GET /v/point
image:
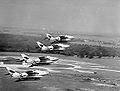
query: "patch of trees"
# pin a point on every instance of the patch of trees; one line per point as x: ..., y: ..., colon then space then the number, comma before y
x: 91, y: 51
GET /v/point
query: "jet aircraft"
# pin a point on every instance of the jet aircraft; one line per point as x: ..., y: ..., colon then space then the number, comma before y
x: 60, y: 38
x: 38, y: 61
x: 53, y: 47
x: 32, y: 74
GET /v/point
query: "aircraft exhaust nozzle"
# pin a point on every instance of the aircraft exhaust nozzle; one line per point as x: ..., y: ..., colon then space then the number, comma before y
x: 66, y: 45
x: 52, y: 58
x: 72, y: 37
x: 63, y: 45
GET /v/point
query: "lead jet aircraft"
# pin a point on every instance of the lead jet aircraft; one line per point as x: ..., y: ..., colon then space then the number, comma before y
x: 60, y: 38
x: 53, y: 47
x: 32, y: 74
x: 41, y: 60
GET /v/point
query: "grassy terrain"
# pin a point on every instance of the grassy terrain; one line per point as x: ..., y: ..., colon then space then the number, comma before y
x: 25, y: 43
x: 11, y: 42
x: 66, y: 79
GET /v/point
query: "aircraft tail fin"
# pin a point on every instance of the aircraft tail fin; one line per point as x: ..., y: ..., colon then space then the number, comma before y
x: 49, y: 36
x: 25, y: 57
x: 10, y: 70
x: 40, y: 44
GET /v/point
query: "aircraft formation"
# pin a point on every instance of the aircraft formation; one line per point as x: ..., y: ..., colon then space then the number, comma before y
x: 56, y: 45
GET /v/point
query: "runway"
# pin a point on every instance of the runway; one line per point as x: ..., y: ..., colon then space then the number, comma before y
x: 65, y: 75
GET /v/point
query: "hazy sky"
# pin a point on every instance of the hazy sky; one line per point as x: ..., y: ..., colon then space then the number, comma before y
x: 75, y: 16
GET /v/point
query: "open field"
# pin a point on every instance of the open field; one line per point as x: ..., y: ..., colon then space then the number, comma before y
x: 68, y: 74
x: 90, y: 49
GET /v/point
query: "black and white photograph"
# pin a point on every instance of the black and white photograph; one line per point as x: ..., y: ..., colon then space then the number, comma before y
x: 59, y: 45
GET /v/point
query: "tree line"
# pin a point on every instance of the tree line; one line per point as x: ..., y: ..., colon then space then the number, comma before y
x: 20, y: 43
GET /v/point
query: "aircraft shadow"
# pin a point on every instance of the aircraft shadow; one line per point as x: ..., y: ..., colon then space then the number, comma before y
x: 26, y: 80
